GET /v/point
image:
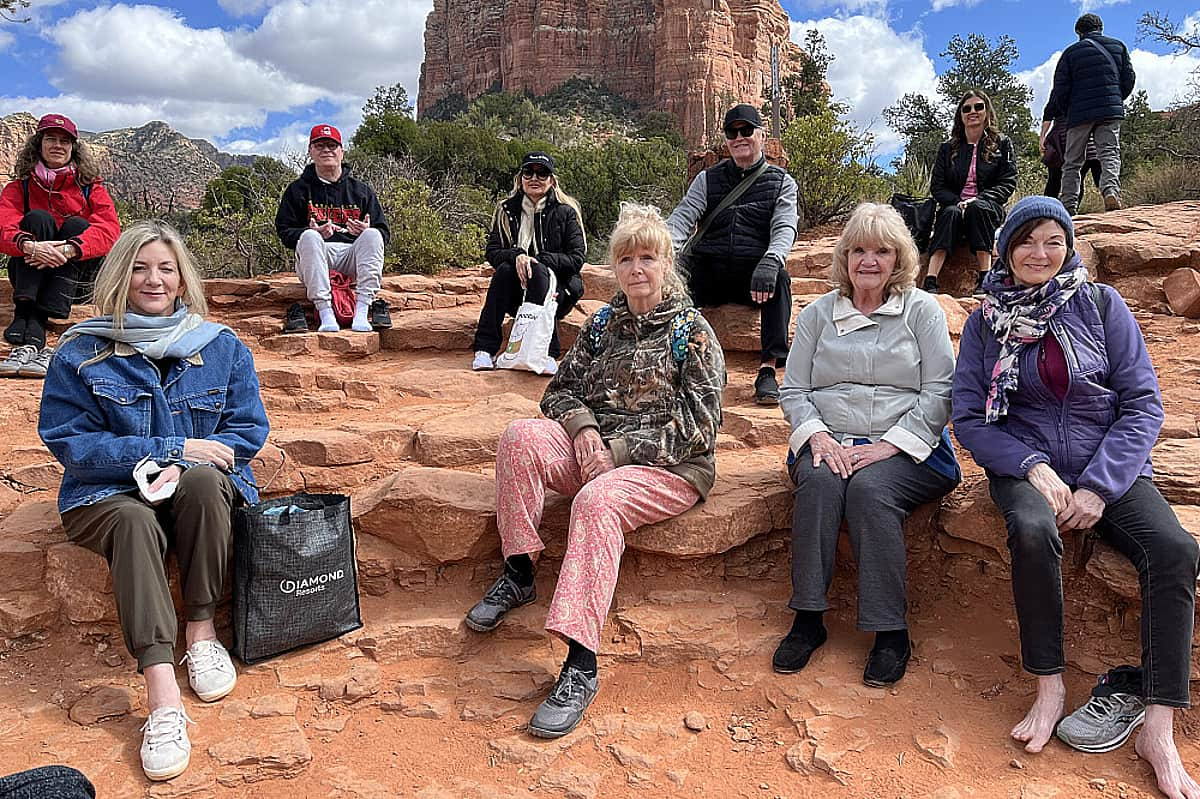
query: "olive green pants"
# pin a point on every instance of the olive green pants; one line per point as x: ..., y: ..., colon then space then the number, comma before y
x: 134, y: 537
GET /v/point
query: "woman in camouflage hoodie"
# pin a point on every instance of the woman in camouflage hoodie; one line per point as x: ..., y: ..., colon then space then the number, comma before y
x: 631, y: 432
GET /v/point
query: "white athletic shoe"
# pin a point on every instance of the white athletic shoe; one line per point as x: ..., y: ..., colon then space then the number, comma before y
x: 210, y: 671
x: 483, y: 362
x: 166, y: 750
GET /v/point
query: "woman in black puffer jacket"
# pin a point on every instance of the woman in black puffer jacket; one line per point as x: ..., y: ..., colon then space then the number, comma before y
x: 535, y: 229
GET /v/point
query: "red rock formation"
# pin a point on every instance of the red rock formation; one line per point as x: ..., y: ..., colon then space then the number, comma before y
x: 692, y: 58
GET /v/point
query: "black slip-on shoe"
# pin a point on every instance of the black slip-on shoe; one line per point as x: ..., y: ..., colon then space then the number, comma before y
x: 795, y: 650
x: 886, y: 666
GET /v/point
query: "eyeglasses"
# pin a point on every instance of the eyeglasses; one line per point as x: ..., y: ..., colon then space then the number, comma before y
x: 745, y: 131
x: 969, y: 107
x: 324, y: 144
x: 529, y: 173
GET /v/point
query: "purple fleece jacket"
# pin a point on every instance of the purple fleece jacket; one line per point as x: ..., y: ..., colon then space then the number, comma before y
x: 1099, y: 437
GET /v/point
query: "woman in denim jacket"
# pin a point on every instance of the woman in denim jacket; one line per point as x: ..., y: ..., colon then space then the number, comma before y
x: 152, y: 380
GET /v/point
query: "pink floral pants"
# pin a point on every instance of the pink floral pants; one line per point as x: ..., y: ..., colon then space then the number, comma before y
x: 536, y: 454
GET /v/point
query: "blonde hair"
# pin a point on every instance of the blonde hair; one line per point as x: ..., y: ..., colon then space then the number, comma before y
x: 641, y: 227
x: 499, y: 219
x: 111, y: 294
x: 874, y: 224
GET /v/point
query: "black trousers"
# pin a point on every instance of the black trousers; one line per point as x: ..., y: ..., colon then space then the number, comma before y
x: 47, y: 782
x: 50, y: 292
x: 1140, y: 525
x: 505, y: 295
x: 1054, y: 177
x: 714, y: 281
x: 977, y: 225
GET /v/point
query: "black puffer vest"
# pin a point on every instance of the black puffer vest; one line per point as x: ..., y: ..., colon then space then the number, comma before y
x: 743, y: 230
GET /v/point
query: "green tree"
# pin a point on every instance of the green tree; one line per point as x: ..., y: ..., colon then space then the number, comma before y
x: 807, y: 91
x: 510, y: 115
x: 389, y: 100
x: 923, y: 127
x: 235, y: 224
x: 830, y: 160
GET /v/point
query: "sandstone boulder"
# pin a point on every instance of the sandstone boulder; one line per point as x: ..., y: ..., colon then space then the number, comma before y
x: 1182, y: 288
x: 324, y: 447
x: 470, y: 435
x: 1177, y: 470
x: 442, y: 329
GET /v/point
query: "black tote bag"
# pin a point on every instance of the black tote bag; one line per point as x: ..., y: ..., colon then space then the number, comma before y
x: 294, y: 576
x: 918, y: 214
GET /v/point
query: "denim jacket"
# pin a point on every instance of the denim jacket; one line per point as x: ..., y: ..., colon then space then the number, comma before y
x: 99, y: 420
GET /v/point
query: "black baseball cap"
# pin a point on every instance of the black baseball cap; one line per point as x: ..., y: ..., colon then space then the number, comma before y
x: 537, y: 158
x: 743, y: 114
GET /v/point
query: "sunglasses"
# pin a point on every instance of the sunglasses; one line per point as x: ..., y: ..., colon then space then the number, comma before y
x: 325, y: 144
x: 745, y: 131
x: 530, y: 173
x: 969, y: 107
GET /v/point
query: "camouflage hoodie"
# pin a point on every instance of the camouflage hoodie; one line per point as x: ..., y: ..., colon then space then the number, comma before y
x: 650, y: 408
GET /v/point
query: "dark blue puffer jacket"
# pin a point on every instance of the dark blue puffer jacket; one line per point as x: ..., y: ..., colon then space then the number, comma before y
x: 1086, y: 87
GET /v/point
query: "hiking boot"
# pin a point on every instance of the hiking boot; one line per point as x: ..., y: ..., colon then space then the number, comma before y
x: 15, y: 332
x: 795, y: 650
x: 930, y: 284
x: 380, y: 315
x: 483, y: 362
x: 166, y: 749
x: 295, y: 322
x: 1107, y: 719
x: 503, y: 596
x: 1112, y: 202
x: 766, y: 388
x: 210, y: 671
x: 11, y: 366
x: 886, y: 666
x: 563, y: 709
x: 37, y: 365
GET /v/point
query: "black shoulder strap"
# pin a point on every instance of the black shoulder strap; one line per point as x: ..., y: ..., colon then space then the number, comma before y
x: 25, y: 194
x: 726, y: 201
x: 1112, y: 62
x: 84, y: 188
x: 1100, y: 296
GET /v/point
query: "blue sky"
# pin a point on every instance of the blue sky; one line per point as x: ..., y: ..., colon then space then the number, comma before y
x: 253, y: 75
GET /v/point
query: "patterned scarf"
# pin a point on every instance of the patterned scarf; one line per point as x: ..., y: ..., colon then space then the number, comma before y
x: 47, y: 177
x: 180, y: 335
x: 1018, y: 316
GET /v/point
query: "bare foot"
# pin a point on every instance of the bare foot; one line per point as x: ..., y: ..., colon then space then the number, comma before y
x: 1156, y: 745
x: 1038, y: 725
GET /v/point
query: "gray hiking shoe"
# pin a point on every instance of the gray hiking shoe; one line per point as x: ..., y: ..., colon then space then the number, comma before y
x: 503, y: 596
x: 20, y: 356
x: 37, y: 365
x: 563, y: 709
x: 1107, y: 719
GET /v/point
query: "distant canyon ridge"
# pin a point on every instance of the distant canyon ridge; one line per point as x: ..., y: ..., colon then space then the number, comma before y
x: 154, y: 166
x: 693, y: 58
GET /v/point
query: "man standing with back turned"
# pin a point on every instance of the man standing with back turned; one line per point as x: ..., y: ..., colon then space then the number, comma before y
x: 744, y: 213
x: 1092, y: 80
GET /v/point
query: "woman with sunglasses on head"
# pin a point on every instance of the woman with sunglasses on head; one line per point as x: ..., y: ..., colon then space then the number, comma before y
x: 56, y: 222
x: 974, y: 175
x: 536, y: 229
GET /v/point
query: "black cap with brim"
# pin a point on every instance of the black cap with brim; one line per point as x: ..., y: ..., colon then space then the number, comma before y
x: 742, y: 114
x: 538, y: 159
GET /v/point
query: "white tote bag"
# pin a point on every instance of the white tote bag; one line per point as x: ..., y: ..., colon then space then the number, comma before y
x: 529, y: 341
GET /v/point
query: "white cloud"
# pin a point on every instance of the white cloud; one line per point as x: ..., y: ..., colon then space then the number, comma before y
x: 189, y: 117
x: 941, y: 5
x: 874, y: 66
x: 1091, y: 5
x: 1165, y: 78
x: 244, y: 8
x: 6, y: 39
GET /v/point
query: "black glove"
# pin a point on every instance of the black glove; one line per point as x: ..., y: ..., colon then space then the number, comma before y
x: 765, y: 275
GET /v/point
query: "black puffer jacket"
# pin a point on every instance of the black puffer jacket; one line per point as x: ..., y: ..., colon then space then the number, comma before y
x: 742, y: 232
x: 561, y: 245
x: 1086, y: 87
x: 995, y: 180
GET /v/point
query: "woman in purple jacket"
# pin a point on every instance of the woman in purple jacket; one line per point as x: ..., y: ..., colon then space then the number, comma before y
x: 1055, y: 396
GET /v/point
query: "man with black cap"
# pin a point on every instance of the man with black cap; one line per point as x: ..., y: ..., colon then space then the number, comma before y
x: 1091, y: 81
x: 335, y: 223
x: 733, y: 230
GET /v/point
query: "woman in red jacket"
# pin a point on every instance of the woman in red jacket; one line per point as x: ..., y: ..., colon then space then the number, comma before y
x: 56, y: 222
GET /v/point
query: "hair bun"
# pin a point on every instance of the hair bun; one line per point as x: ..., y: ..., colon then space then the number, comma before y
x: 631, y: 211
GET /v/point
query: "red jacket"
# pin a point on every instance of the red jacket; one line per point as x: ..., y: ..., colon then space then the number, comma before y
x: 64, y: 200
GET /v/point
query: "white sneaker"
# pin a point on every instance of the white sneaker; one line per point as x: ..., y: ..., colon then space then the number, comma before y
x: 551, y: 368
x: 210, y: 671
x: 329, y: 322
x: 483, y: 362
x: 360, y: 323
x: 166, y: 750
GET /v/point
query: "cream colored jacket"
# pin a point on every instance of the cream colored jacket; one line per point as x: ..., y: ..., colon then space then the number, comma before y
x: 883, y: 377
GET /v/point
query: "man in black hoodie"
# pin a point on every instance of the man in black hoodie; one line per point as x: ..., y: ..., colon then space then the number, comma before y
x: 334, y: 222
x: 1091, y: 81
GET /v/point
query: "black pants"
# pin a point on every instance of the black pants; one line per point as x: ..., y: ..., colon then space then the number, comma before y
x: 977, y: 224
x: 47, y: 782
x: 50, y: 292
x: 1054, y: 177
x: 714, y: 281
x: 1142, y: 526
x: 504, y: 297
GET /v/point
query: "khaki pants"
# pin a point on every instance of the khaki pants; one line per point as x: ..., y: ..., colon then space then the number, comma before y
x: 133, y: 537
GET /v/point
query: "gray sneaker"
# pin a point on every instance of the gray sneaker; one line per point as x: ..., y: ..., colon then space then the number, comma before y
x: 563, y: 709
x: 19, y: 357
x: 37, y: 365
x: 503, y: 596
x: 1103, y: 724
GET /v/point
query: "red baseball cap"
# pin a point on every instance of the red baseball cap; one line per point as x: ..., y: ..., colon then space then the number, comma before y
x: 58, y: 122
x: 324, y: 132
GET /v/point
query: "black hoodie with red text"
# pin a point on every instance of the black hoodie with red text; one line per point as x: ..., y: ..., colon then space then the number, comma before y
x: 310, y: 198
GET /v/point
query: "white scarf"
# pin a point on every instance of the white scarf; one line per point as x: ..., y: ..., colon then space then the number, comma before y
x: 525, y: 238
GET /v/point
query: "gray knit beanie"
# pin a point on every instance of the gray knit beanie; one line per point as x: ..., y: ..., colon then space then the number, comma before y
x: 1033, y: 207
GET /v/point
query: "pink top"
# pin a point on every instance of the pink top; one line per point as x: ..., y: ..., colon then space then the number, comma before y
x: 969, y: 188
x: 1052, y: 366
